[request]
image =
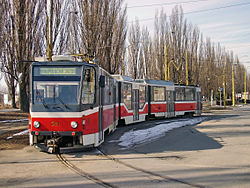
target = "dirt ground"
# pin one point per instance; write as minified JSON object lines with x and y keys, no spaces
{"x":13,"y":115}
{"x":8,"y":128}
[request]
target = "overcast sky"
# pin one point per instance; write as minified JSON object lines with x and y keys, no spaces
{"x":224,"y":21}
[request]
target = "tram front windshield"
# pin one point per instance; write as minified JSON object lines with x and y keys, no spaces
{"x":56,"y":85}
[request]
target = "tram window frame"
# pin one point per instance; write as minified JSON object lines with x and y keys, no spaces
{"x":94,"y":87}
{"x":108,"y":91}
{"x":155,"y":97}
{"x":189,"y":94}
{"x":168,"y":95}
{"x":49,"y":81}
{"x":125,"y":97}
{"x":143,"y":91}
{"x":180,"y":94}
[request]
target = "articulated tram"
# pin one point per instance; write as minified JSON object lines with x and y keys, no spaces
{"x":76,"y":103}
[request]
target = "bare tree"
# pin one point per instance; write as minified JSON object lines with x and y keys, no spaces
{"x":204,"y":58}
{"x":102,"y":31}
{"x":99,"y":29}
{"x":179,"y":42}
{"x":161,"y":26}
{"x":146,"y":50}
{"x":2,"y":23}
{"x":118,"y":42}
{"x":58,"y":14}
{"x":22,"y":28}
{"x":8,"y":55}
{"x":134,"y":37}
{"x":193,"y":37}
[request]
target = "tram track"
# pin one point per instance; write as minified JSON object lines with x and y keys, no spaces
{"x":163,"y":177}
{"x":82,"y":173}
{"x":102,"y":183}
{"x":101,"y":153}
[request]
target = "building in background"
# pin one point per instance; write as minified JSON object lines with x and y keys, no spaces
{"x":5,"y":99}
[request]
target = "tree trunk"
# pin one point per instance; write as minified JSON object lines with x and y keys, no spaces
{"x":24,"y":98}
{"x":13,"y":94}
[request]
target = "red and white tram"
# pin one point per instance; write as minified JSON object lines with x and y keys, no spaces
{"x":75,"y":103}
{"x":187,"y":100}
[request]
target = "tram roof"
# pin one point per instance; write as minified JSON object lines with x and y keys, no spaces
{"x":155,"y":82}
{"x":123,"y":78}
{"x":53,"y":63}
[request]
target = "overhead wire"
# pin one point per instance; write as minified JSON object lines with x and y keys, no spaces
{"x":191,"y":12}
{"x":165,"y":4}
{"x":217,"y":8}
{"x":199,"y":11}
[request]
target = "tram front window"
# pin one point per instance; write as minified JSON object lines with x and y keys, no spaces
{"x":59,"y":85}
{"x":56,"y":92}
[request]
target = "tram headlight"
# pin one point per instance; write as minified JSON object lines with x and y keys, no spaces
{"x":74,"y":124}
{"x":36,"y":124}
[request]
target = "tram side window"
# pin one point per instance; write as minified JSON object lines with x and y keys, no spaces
{"x":189,"y":94}
{"x":108,"y":97}
{"x":158,"y":94}
{"x":106,"y":90}
{"x":88,"y":91}
{"x":126,"y":95}
{"x":142,"y":96}
{"x":110,"y":92}
{"x":180,"y":94}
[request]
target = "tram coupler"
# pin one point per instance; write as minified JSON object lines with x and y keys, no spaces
{"x":53,"y":145}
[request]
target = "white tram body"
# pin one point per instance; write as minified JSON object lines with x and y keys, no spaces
{"x":75,"y":103}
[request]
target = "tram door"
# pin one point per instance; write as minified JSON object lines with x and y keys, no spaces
{"x":101,"y":101}
{"x":199,"y":103}
{"x":114,"y":101}
{"x":170,"y":104}
{"x":136,"y":104}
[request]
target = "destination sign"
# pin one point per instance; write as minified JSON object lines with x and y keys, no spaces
{"x":58,"y":71}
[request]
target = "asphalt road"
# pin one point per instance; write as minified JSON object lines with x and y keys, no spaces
{"x":214,"y":153}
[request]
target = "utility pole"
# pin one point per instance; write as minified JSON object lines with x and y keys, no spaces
{"x":233,"y":93}
{"x":51,"y":30}
{"x":224,"y":81}
{"x":47,"y":38}
{"x":49,"y":23}
{"x":212,"y":97}
{"x":166,"y":60}
{"x":245,"y":86}
{"x":168,"y":68}
{"x":123,"y":64}
{"x":186,"y":68}
{"x":220,"y":97}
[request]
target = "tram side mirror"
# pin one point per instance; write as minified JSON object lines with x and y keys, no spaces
{"x":102,"y":81}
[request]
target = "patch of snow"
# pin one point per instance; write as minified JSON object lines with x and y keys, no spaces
{"x":14,"y":120}
{"x":9,"y":110}
{"x":18,"y":134}
{"x":131,"y":138}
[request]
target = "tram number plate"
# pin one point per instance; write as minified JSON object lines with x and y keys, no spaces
{"x":55,"y":124}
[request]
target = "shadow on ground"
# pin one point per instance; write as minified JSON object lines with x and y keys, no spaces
{"x":186,"y":138}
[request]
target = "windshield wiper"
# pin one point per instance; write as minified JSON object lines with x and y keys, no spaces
{"x":62,"y":103}
{"x":42,"y":99}
{"x":44,"y":104}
